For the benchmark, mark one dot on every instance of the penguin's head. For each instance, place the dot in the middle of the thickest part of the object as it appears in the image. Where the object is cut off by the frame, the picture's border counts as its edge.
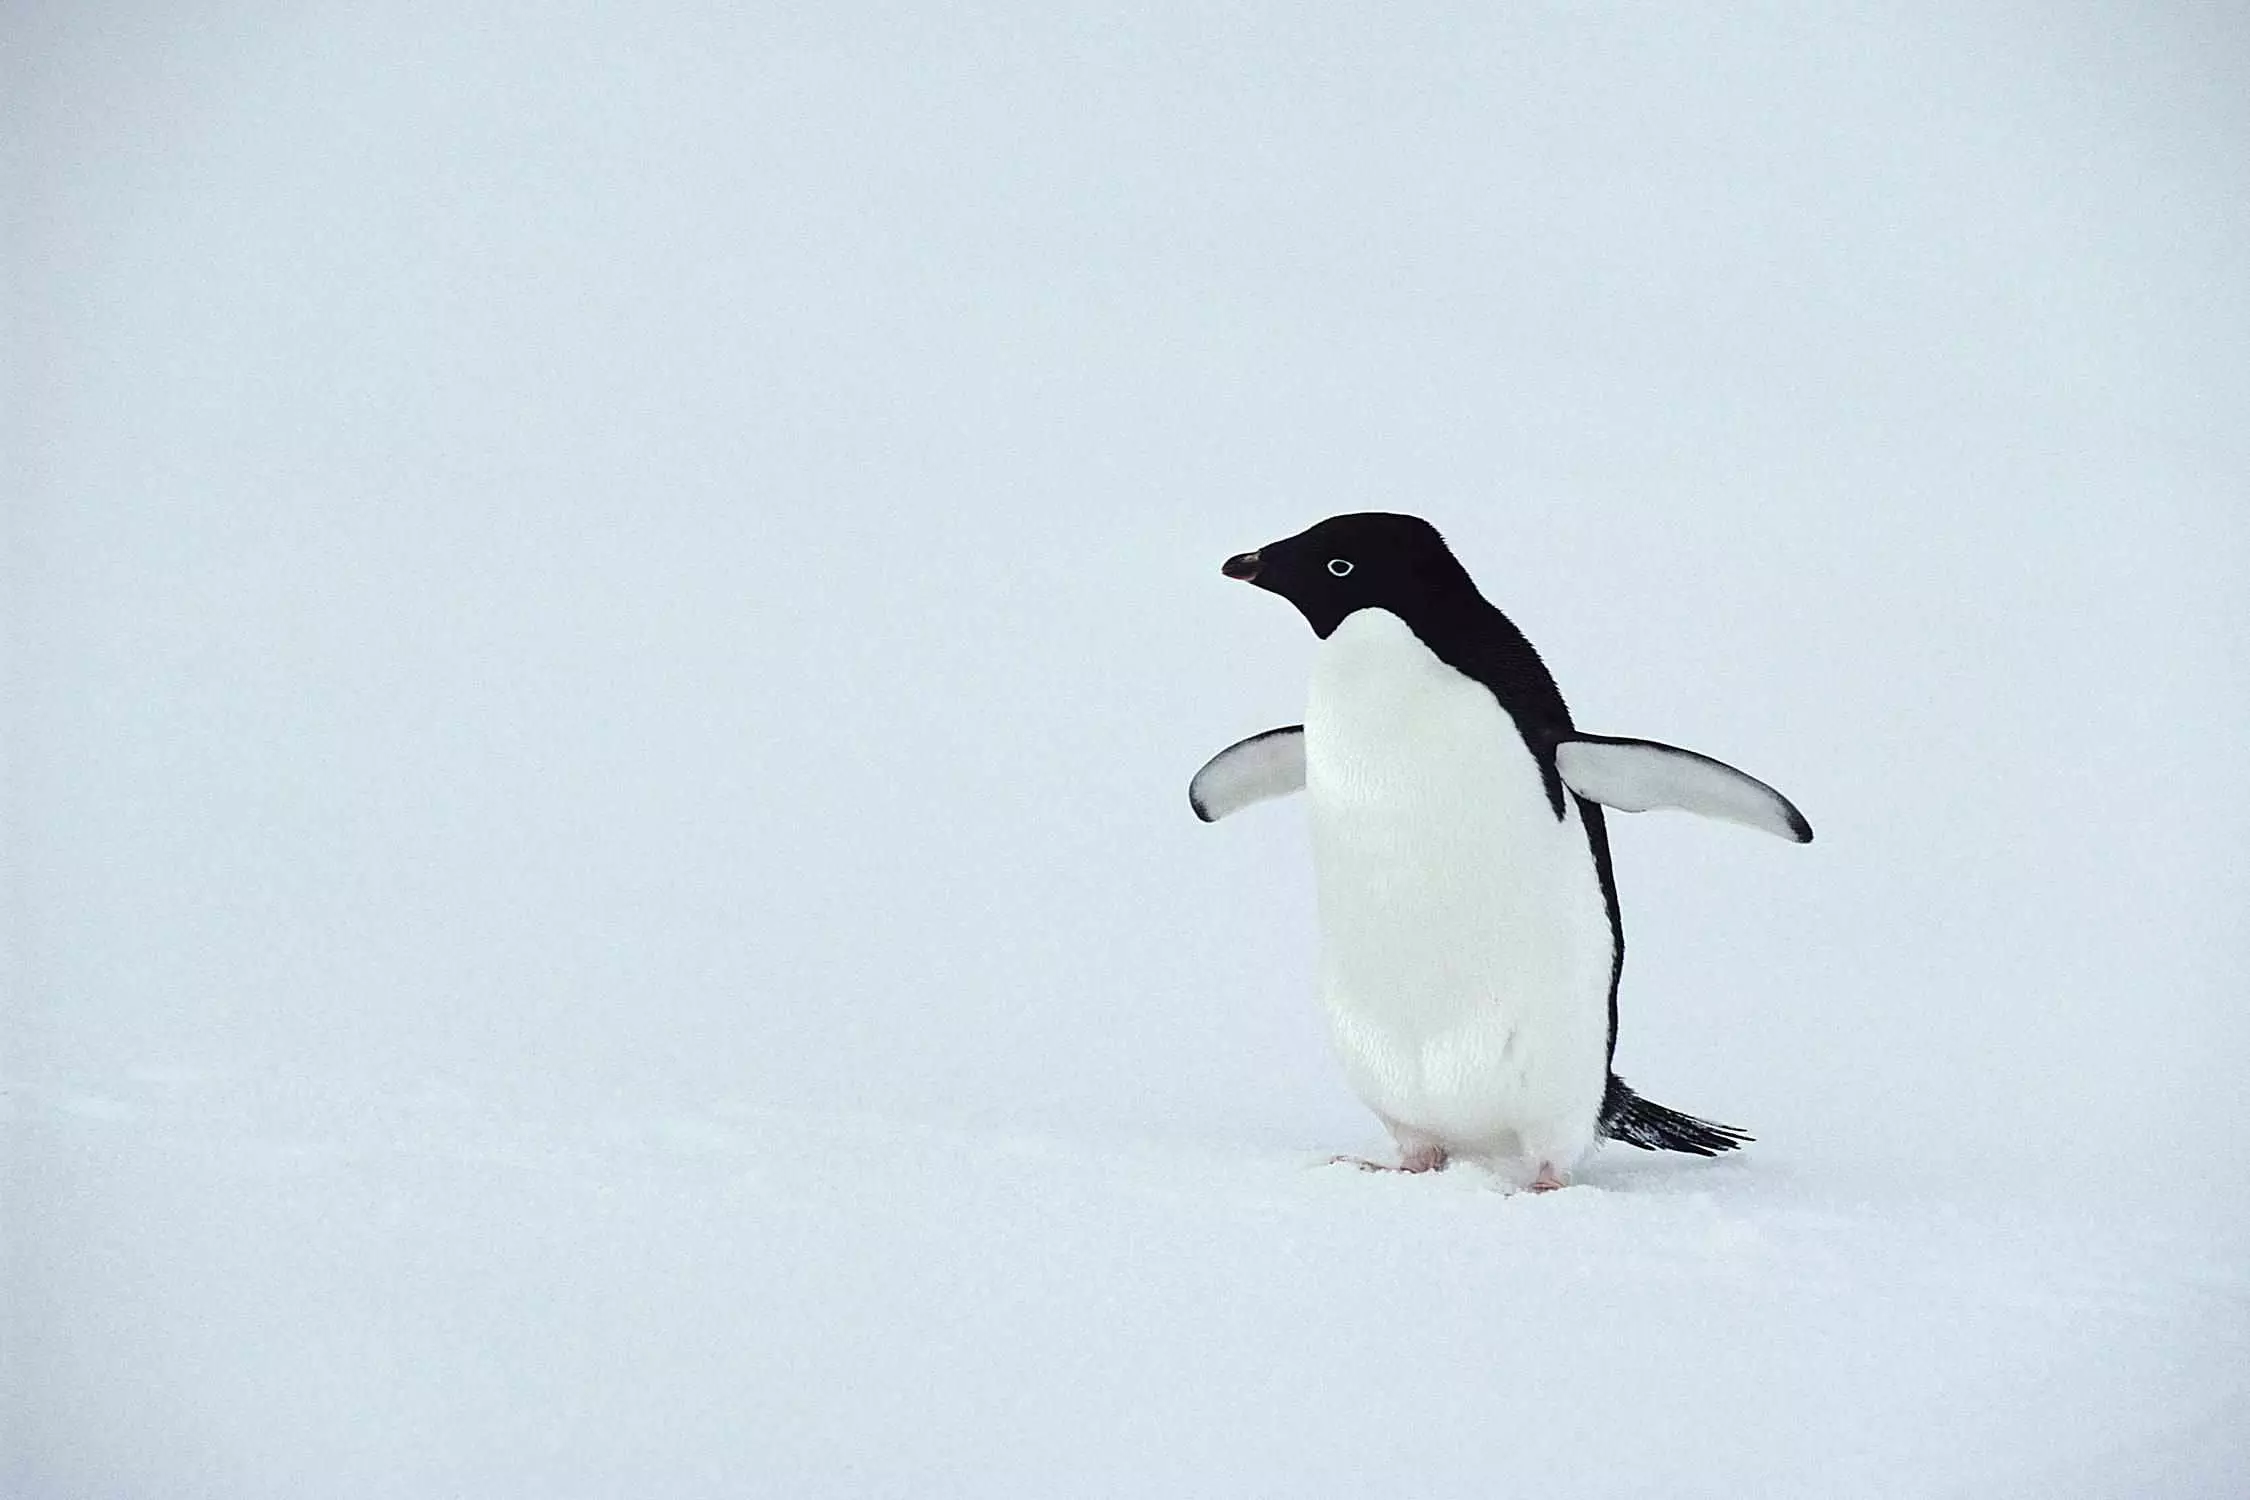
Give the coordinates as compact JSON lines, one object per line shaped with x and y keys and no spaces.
{"x":1372,"y":560}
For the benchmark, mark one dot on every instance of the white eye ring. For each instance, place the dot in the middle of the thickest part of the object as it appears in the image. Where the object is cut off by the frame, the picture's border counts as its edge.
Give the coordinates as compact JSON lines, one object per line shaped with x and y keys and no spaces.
{"x":1339,"y":566}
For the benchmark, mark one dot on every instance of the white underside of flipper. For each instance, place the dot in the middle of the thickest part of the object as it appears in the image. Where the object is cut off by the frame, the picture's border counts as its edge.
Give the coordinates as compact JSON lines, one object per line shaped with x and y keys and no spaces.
{"x":1637,"y":775}
{"x":1465,"y":947}
{"x":1265,"y":765}
{"x":1628,"y":775}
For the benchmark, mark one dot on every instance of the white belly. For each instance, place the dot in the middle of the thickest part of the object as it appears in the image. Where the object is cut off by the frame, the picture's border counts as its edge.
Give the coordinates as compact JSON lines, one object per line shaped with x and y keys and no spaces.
{"x":1465,"y":949}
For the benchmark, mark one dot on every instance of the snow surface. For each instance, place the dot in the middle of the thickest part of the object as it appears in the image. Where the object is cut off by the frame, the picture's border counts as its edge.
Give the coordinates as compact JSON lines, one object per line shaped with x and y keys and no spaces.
{"x":448,"y":1299}
{"x":605,"y":615}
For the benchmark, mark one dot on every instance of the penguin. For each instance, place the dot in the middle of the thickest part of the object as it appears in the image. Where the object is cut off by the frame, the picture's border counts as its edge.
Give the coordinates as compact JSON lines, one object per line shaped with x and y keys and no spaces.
{"x":1470,"y":945}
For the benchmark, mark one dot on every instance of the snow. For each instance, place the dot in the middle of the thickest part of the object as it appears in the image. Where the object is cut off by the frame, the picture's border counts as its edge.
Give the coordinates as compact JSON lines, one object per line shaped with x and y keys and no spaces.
{"x":448,"y":1298}
{"x":606,"y":613}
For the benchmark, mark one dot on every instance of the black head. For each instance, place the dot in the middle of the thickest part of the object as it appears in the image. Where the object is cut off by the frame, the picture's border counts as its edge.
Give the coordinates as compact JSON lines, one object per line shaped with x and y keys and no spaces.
{"x":1372,"y":560}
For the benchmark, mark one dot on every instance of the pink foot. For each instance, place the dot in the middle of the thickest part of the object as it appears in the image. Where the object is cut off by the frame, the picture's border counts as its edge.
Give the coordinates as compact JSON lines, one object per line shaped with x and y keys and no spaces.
{"x":1548,"y":1180}
{"x":1420,"y":1159}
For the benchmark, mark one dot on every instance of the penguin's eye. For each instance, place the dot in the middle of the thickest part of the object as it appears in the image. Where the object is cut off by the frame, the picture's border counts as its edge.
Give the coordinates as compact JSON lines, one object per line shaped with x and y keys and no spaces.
{"x":1339,"y":566}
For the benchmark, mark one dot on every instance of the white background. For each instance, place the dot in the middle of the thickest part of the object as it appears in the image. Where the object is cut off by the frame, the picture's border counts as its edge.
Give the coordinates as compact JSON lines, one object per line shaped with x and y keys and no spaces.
{"x":606,"y":616}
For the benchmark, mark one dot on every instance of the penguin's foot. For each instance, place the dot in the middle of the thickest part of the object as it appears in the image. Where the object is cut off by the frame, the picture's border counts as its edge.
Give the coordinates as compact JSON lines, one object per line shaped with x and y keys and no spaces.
{"x":1418,"y":1159}
{"x":1548,"y":1180}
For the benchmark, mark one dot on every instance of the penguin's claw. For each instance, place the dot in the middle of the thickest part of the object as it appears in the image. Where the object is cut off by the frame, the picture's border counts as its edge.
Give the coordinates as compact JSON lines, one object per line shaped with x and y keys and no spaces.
{"x":1548,"y":1180}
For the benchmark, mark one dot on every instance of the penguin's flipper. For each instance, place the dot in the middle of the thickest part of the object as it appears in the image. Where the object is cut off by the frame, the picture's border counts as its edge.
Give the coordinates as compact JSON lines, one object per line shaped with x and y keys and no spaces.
{"x":1265,"y":765}
{"x":1636,"y":775}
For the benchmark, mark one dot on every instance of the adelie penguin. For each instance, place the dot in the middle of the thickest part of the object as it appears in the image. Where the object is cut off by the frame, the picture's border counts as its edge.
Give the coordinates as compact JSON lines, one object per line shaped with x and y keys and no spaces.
{"x":1470,"y":945}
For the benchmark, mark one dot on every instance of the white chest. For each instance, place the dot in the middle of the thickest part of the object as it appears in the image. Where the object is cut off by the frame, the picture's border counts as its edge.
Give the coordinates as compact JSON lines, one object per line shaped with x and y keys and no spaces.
{"x":1465,"y":946}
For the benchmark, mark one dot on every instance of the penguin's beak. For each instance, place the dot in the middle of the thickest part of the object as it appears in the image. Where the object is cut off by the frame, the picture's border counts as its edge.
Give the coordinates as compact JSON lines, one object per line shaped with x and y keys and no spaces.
{"x":1243,"y":566}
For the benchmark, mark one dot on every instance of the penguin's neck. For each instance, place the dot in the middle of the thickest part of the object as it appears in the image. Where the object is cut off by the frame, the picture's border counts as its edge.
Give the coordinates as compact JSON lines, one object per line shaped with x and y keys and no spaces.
{"x":1376,"y":678}
{"x":1374,"y":655}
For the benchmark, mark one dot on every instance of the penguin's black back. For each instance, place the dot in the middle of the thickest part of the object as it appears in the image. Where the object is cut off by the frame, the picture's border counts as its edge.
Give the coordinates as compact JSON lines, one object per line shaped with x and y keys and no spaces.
{"x":1476,"y":639}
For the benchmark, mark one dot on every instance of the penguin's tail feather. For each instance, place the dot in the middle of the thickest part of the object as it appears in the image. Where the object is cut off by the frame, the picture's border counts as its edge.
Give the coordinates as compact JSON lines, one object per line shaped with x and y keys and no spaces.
{"x":1627,"y":1117}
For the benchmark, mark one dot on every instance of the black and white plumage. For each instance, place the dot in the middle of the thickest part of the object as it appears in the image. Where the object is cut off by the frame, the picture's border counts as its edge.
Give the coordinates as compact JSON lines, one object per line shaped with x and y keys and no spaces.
{"x":1470,"y":944}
